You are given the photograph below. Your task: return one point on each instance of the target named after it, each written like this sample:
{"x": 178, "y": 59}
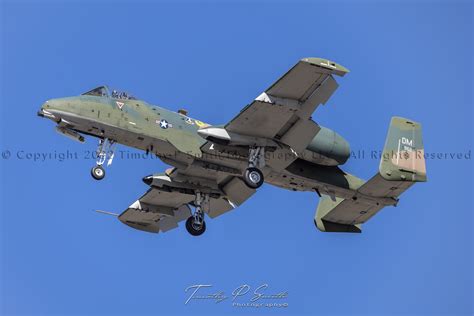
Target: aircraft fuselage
{"x": 174, "y": 138}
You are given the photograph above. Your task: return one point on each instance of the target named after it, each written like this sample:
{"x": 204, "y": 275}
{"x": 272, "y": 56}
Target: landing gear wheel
{"x": 194, "y": 229}
{"x": 98, "y": 173}
{"x": 253, "y": 178}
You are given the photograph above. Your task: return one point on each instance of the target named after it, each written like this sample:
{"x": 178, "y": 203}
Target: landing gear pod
{"x": 70, "y": 133}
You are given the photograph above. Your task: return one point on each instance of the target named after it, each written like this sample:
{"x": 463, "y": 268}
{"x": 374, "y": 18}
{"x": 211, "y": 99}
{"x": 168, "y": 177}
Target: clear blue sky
{"x": 59, "y": 257}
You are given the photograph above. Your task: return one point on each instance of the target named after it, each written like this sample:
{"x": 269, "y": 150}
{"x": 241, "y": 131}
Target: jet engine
{"x": 327, "y": 148}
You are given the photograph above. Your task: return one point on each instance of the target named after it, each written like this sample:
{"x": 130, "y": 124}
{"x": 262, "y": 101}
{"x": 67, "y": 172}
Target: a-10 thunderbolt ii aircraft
{"x": 217, "y": 167}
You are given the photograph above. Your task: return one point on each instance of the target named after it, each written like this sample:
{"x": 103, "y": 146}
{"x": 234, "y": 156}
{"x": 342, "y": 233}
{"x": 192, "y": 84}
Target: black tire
{"x": 98, "y": 173}
{"x": 194, "y": 230}
{"x": 253, "y": 178}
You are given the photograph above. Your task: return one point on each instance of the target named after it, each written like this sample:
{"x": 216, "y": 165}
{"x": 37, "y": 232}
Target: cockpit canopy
{"x": 103, "y": 91}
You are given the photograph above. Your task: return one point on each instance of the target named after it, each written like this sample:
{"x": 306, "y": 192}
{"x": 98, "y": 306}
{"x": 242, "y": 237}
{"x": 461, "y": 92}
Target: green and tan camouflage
{"x": 216, "y": 168}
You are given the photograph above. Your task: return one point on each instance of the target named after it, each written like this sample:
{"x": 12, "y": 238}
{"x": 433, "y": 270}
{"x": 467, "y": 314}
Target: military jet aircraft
{"x": 217, "y": 167}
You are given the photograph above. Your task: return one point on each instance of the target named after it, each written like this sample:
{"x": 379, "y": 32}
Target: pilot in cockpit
{"x": 120, "y": 95}
{"x": 103, "y": 91}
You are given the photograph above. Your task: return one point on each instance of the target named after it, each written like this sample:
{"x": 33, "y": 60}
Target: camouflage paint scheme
{"x": 300, "y": 155}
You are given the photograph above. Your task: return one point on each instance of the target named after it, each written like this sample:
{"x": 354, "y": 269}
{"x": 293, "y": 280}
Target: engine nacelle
{"x": 327, "y": 148}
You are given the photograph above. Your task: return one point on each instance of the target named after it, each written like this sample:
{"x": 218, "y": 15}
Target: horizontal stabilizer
{"x": 402, "y": 165}
{"x": 325, "y": 206}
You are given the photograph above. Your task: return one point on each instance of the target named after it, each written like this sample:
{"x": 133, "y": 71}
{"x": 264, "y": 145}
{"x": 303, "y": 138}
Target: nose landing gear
{"x": 98, "y": 172}
{"x": 104, "y": 150}
{"x": 195, "y": 224}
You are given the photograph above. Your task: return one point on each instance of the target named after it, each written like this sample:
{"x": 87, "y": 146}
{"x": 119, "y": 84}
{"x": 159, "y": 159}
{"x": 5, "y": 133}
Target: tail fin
{"x": 402, "y": 164}
{"x": 403, "y": 155}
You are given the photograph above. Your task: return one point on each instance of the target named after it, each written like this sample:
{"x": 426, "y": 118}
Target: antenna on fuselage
{"x": 183, "y": 111}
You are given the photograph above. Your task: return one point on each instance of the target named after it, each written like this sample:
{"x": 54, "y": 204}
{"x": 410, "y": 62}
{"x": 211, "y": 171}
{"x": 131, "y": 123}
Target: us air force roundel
{"x": 164, "y": 124}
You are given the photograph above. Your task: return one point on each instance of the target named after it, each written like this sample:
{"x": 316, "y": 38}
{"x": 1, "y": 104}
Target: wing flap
{"x": 218, "y": 207}
{"x": 165, "y": 198}
{"x": 320, "y": 96}
{"x": 261, "y": 119}
{"x": 300, "y": 134}
{"x": 237, "y": 192}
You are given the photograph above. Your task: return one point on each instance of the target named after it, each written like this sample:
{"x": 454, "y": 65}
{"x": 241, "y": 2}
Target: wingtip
{"x": 327, "y": 64}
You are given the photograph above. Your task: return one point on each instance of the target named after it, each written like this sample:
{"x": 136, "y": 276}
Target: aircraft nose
{"x": 46, "y": 110}
{"x": 53, "y": 104}
{"x": 55, "y": 107}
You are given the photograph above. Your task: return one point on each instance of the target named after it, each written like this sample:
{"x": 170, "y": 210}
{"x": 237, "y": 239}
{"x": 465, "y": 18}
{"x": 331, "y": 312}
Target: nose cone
{"x": 54, "y": 108}
{"x": 47, "y": 110}
{"x": 55, "y": 104}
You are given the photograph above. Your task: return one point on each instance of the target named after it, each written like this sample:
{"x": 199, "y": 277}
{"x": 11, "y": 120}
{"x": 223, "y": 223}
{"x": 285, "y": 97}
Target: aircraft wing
{"x": 161, "y": 208}
{"x": 233, "y": 188}
{"x": 284, "y": 110}
{"x": 157, "y": 211}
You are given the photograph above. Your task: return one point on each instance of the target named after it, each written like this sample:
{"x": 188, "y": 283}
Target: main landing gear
{"x": 195, "y": 224}
{"x": 104, "y": 150}
{"x": 253, "y": 176}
